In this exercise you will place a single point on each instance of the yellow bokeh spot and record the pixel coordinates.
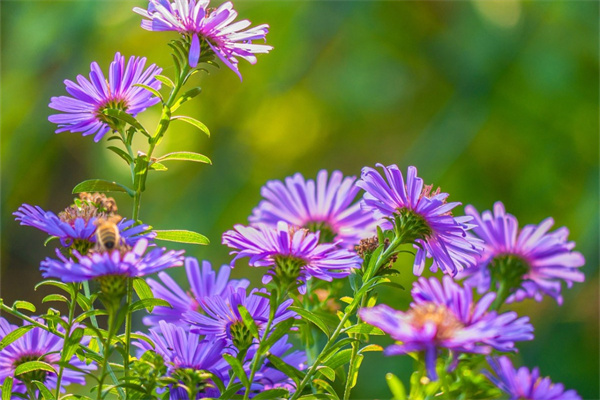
(503, 13)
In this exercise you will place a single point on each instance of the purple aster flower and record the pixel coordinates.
(295, 252)
(445, 317)
(83, 112)
(533, 260)
(203, 283)
(426, 218)
(112, 265)
(70, 228)
(183, 350)
(522, 384)
(317, 206)
(227, 39)
(37, 345)
(222, 317)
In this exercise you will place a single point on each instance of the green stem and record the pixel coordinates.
(127, 330)
(111, 327)
(501, 295)
(75, 287)
(31, 391)
(353, 357)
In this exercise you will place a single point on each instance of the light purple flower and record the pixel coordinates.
(83, 111)
(540, 260)
(203, 283)
(432, 228)
(227, 39)
(445, 317)
(37, 345)
(182, 349)
(69, 229)
(316, 205)
(522, 384)
(131, 263)
(222, 317)
(267, 246)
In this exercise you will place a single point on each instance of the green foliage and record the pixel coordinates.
(181, 236)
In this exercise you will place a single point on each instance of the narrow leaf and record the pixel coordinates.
(121, 153)
(190, 94)
(150, 89)
(396, 387)
(286, 368)
(181, 236)
(29, 366)
(364, 329)
(50, 238)
(238, 369)
(327, 372)
(339, 359)
(371, 347)
(23, 305)
(185, 156)
(101, 185)
(123, 116)
(248, 321)
(165, 80)
(142, 289)
(156, 166)
(192, 121)
(312, 318)
(7, 388)
(272, 394)
(55, 297)
(148, 304)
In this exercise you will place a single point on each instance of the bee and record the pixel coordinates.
(107, 233)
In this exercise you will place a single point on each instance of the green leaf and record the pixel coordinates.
(7, 388)
(190, 94)
(370, 347)
(181, 236)
(280, 330)
(327, 372)
(353, 373)
(55, 283)
(325, 385)
(238, 369)
(185, 156)
(84, 303)
(30, 366)
(23, 305)
(72, 343)
(248, 321)
(101, 185)
(396, 387)
(339, 359)
(50, 238)
(156, 166)
(272, 394)
(286, 368)
(229, 393)
(123, 116)
(165, 80)
(55, 297)
(148, 304)
(142, 289)
(307, 315)
(121, 153)
(365, 329)
(89, 314)
(192, 121)
(150, 89)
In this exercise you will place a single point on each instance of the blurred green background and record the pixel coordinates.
(491, 100)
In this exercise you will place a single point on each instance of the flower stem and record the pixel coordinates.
(75, 287)
(127, 331)
(112, 310)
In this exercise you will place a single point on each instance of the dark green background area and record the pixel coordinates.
(490, 100)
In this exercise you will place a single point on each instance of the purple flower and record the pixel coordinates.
(69, 228)
(130, 263)
(83, 112)
(522, 384)
(270, 378)
(445, 317)
(203, 283)
(536, 261)
(223, 318)
(317, 206)
(295, 252)
(426, 217)
(37, 345)
(214, 27)
(182, 349)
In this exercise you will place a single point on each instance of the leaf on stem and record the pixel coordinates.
(150, 89)
(30, 366)
(44, 391)
(238, 369)
(312, 318)
(148, 304)
(123, 116)
(23, 305)
(286, 368)
(101, 185)
(365, 329)
(7, 388)
(248, 321)
(396, 387)
(192, 121)
(272, 394)
(121, 153)
(190, 94)
(185, 156)
(181, 236)
(165, 80)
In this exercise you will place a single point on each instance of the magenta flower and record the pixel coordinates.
(227, 39)
(523, 384)
(83, 112)
(317, 206)
(446, 318)
(535, 260)
(203, 283)
(37, 345)
(290, 249)
(427, 218)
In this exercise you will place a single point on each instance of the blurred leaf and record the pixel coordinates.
(101, 185)
(272, 394)
(364, 329)
(44, 391)
(7, 388)
(55, 297)
(151, 90)
(328, 372)
(311, 317)
(325, 385)
(121, 153)
(192, 121)
(185, 156)
(165, 80)
(123, 116)
(287, 369)
(156, 166)
(181, 236)
(396, 387)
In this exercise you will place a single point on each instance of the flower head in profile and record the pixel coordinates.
(222, 317)
(111, 268)
(531, 261)
(204, 282)
(37, 345)
(295, 253)
(523, 384)
(77, 226)
(83, 111)
(317, 205)
(187, 355)
(207, 28)
(445, 317)
(421, 217)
